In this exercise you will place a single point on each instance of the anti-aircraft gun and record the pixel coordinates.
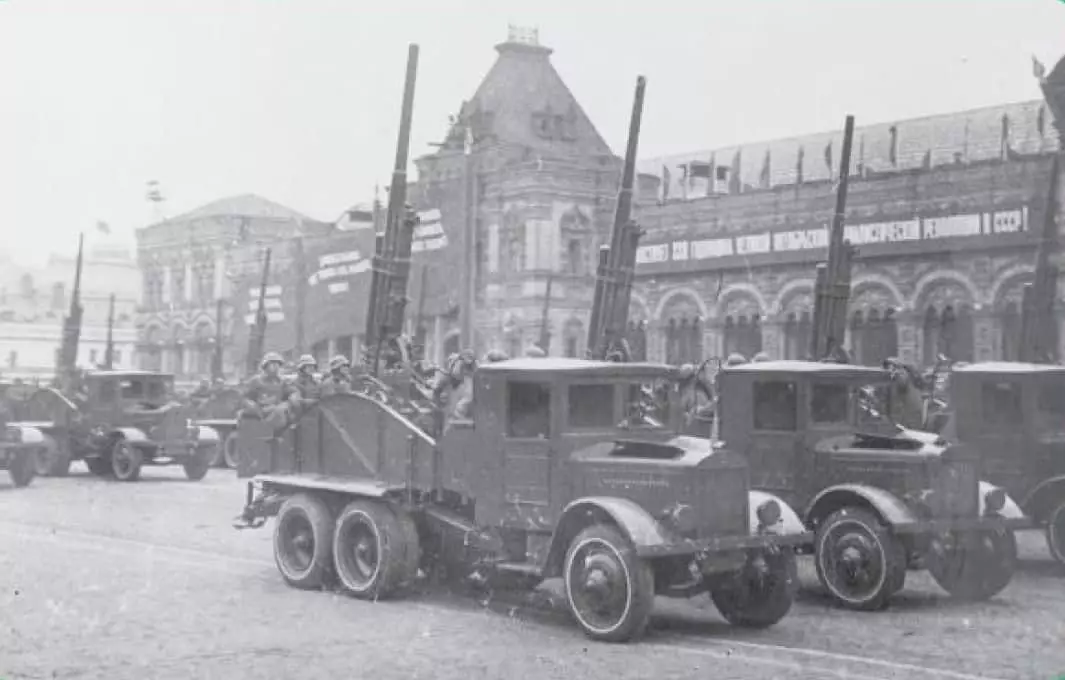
(832, 287)
(257, 333)
(67, 358)
(1038, 337)
(389, 372)
(617, 262)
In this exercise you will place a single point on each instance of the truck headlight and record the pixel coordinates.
(768, 513)
(994, 501)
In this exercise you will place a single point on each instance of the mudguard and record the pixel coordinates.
(886, 504)
(633, 521)
(28, 434)
(207, 435)
(790, 523)
(131, 435)
(1040, 500)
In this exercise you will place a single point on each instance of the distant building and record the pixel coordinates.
(211, 256)
(35, 300)
(946, 212)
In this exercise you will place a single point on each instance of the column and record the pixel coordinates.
(188, 278)
(909, 337)
(987, 336)
(219, 277)
(773, 337)
(168, 282)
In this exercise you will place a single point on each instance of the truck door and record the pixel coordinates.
(527, 454)
(1004, 441)
(775, 446)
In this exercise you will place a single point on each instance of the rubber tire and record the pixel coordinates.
(137, 460)
(231, 450)
(218, 455)
(640, 578)
(196, 467)
(23, 467)
(101, 467)
(1056, 544)
(398, 550)
(54, 459)
(730, 601)
(966, 583)
(318, 573)
(892, 551)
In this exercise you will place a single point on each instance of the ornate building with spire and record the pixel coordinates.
(526, 187)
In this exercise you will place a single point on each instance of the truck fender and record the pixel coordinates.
(1043, 498)
(634, 522)
(130, 434)
(207, 435)
(886, 505)
(28, 434)
(789, 519)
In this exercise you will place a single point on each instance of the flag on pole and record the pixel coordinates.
(711, 175)
(666, 179)
(735, 183)
(861, 156)
(893, 147)
(828, 158)
(1041, 121)
(764, 175)
(1004, 141)
(799, 163)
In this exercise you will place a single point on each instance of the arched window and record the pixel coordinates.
(743, 335)
(948, 332)
(575, 257)
(874, 336)
(684, 341)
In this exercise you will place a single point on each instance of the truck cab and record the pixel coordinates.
(1013, 415)
(880, 497)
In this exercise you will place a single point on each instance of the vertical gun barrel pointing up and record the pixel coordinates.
(833, 282)
(613, 285)
(391, 270)
(1038, 342)
(68, 350)
(257, 334)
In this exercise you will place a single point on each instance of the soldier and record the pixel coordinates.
(760, 357)
(203, 391)
(306, 383)
(265, 393)
(495, 356)
(454, 387)
(534, 352)
(905, 403)
(339, 379)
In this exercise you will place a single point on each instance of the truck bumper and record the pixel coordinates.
(708, 546)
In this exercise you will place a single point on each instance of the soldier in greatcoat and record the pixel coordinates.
(339, 379)
(265, 394)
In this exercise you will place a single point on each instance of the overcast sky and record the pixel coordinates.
(298, 100)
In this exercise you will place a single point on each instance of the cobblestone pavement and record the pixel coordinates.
(148, 580)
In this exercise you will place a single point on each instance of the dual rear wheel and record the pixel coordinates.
(370, 550)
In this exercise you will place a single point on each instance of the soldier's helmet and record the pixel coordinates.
(686, 372)
(735, 359)
(760, 357)
(271, 358)
(534, 352)
(305, 361)
(960, 364)
(495, 355)
(338, 362)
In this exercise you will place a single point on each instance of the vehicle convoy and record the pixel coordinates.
(119, 422)
(1013, 415)
(558, 473)
(879, 498)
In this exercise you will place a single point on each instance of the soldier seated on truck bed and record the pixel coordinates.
(265, 394)
(339, 379)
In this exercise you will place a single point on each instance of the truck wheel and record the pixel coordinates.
(99, 466)
(761, 593)
(303, 542)
(609, 589)
(230, 450)
(126, 461)
(858, 560)
(1056, 532)
(23, 467)
(218, 455)
(53, 459)
(196, 467)
(973, 565)
(374, 549)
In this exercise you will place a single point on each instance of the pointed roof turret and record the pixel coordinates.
(523, 101)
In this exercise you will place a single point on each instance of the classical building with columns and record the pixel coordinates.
(946, 213)
(191, 262)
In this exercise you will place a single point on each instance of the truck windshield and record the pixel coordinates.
(1050, 413)
(647, 404)
(1001, 404)
(591, 406)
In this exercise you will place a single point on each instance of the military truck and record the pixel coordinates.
(118, 422)
(1013, 414)
(560, 472)
(219, 412)
(880, 499)
(19, 447)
